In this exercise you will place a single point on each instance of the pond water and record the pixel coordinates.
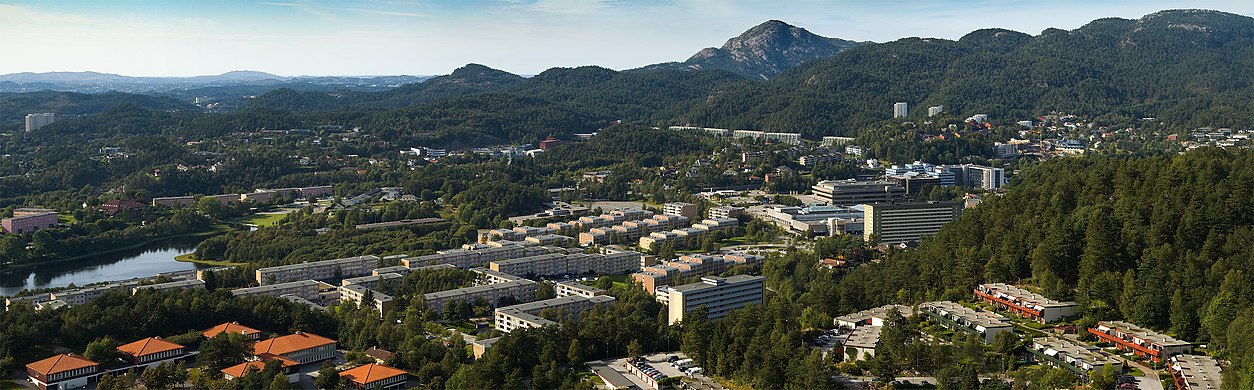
(140, 262)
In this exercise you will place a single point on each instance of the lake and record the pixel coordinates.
(140, 262)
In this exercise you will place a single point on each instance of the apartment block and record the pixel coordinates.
(521, 290)
(718, 295)
(563, 228)
(954, 316)
(550, 240)
(519, 233)
(178, 284)
(318, 270)
(565, 289)
(871, 317)
(1081, 360)
(898, 223)
(1196, 372)
(87, 294)
(465, 259)
(851, 192)
(1140, 341)
(357, 294)
(655, 276)
(373, 280)
(861, 343)
(725, 212)
(307, 289)
(688, 210)
(486, 276)
(1025, 303)
(527, 315)
(812, 160)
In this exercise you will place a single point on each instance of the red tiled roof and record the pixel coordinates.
(238, 370)
(230, 327)
(291, 343)
(61, 363)
(370, 373)
(148, 346)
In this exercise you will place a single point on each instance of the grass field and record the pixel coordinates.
(190, 258)
(261, 220)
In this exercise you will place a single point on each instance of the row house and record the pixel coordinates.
(1140, 341)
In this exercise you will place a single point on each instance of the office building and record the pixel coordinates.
(979, 176)
(527, 315)
(718, 295)
(318, 270)
(951, 315)
(299, 347)
(307, 289)
(376, 376)
(688, 210)
(1196, 372)
(900, 110)
(64, 371)
(860, 345)
(935, 110)
(1025, 303)
(851, 192)
(898, 223)
(28, 220)
(36, 121)
(871, 317)
(1081, 360)
(150, 352)
(1152, 345)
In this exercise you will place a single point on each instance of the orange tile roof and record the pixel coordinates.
(148, 346)
(230, 327)
(370, 373)
(283, 345)
(61, 363)
(238, 370)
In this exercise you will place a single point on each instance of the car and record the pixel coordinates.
(1128, 386)
(672, 358)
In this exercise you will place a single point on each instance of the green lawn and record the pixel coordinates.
(261, 220)
(8, 384)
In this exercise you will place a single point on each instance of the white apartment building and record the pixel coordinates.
(521, 290)
(179, 284)
(900, 110)
(718, 295)
(871, 317)
(897, 223)
(861, 343)
(1081, 360)
(307, 289)
(954, 316)
(564, 289)
(526, 315)
(318, 270)
(680, 208)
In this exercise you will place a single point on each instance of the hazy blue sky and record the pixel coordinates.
(423, 37)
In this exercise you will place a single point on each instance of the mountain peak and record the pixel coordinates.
(768, 49)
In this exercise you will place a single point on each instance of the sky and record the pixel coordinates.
(433, 37)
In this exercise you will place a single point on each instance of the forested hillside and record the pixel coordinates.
(1186, 67)
(15, 106)
(1166, 242)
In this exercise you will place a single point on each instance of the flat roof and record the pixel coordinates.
(537, 306)
(1090, 355)
(734, 280)
(864, 337)
(878, 312)
(1199, 372)
(274, 287)
(1144, 334)
(476, 289)
(981, 318)
(1025, 295)
(356, 259)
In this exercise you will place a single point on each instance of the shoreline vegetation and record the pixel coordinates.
(213, 231)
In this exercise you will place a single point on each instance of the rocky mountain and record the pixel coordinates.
(763, 51)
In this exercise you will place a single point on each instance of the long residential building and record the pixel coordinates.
(373, 281)
(570, 264)
(178, 284)
(466, 259)
(688, 237)
(527, 315)
(563, 289)
(521, 290)
(1081, 360)
(1196, 372)
(631, 231)
(357, 294)
(307, 289)
(1140, 341)
(29, 220)
(653, 277)
(718, 295)
(318, 270)
(1025, 303)
(898, 223)
(851, 192)
(954, 316)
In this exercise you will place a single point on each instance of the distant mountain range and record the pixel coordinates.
(90, 82)
(763, 51)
